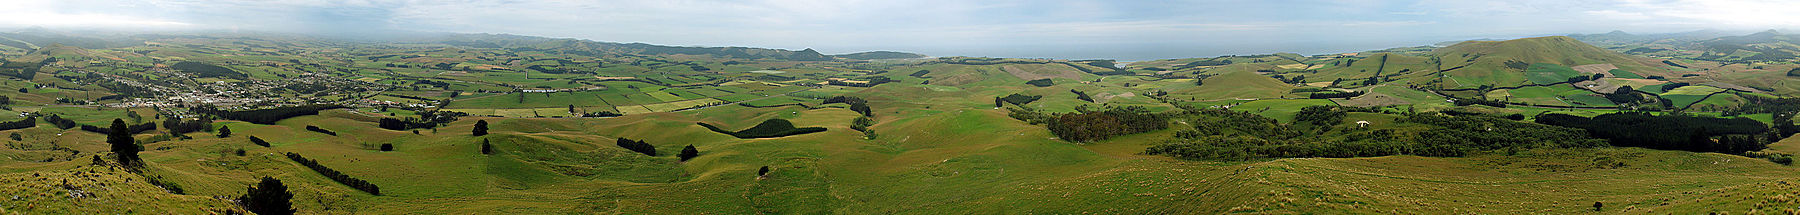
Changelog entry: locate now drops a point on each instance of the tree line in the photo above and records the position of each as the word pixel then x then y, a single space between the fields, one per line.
pixel 1668 132
pixel 1086 124
pixel 334 175
pixel 265 116
pixel 1219 134
pixel 28 122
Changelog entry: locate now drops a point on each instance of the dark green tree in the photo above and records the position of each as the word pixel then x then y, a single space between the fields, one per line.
pixel 1597 206
pixel 224 131
pixel 122 144
pixel 763 172
pixel 267 198
pixel 486 148
pixel 480 128
pixel 387 147
pixel 688 153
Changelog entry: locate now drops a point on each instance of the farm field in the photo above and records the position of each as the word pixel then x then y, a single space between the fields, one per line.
pixel 455 123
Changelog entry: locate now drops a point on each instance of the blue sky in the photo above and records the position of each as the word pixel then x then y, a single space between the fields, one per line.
pixel 1074 29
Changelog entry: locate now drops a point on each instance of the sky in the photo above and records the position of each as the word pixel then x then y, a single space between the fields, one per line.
pixel 1065 29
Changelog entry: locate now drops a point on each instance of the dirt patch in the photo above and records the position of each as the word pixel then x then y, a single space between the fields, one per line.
pixel 1595 69
pixel 1106 97
pixel 603 78
pixel 1372 100
pixel 1042 71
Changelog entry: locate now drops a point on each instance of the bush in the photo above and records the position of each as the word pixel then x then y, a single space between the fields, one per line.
pixel 224 131
pixel 387 147
pixel 1041 82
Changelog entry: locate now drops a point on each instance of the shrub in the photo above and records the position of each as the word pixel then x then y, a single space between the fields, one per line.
pixel 762 172
pixel 224 131
pixel 481 128
pixel 387 147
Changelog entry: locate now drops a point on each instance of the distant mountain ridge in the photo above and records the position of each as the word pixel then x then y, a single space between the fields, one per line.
pixel 877 55
pixel 590 47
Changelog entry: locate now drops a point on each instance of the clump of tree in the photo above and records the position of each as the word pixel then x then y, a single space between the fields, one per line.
pixel 1671 132
pixel 688 153
pixel 426 119
pixel 28 122
pixel 1081 95
pixel 181 126
pixel 61 123
pixel 1472 101
pixel 320 130
pixel 1333 95
pixel 258 141
pixel 1020 100
pixel 862 123
pixel 766 129
pixel 481 128
pixel 1041 82
pixel 224 131
pixel 1085 125
pixel 387 147
pixel 133 129
pixel 123 146
pixel 856 104
pixel 638 146
pixel 334 175
pixel 268 197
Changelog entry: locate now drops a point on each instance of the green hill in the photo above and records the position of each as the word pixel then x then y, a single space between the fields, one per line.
pixel 1235 85
pixel 1500 63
